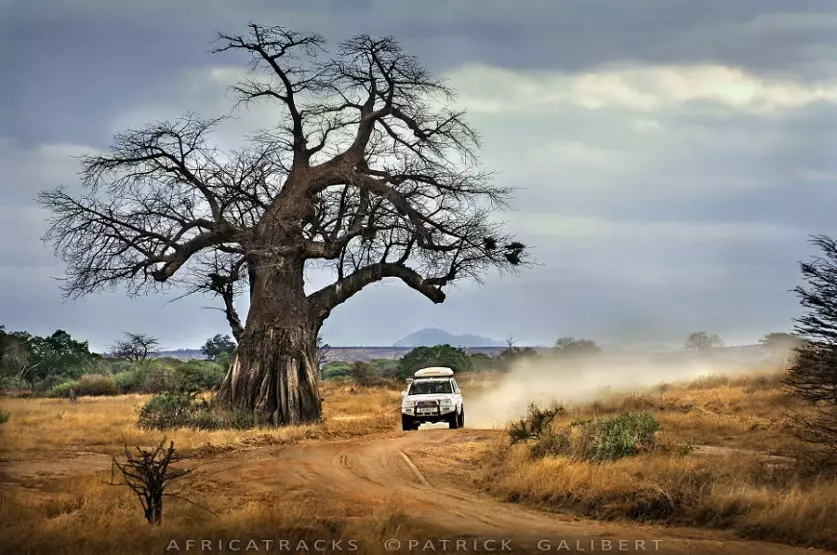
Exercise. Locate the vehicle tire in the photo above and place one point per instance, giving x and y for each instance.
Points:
(407, 424)
(462, 419)
(453, 421)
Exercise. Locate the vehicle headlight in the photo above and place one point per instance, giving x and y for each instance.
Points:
(408, 404)
(446, 403)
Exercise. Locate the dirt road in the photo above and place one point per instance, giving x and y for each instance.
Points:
(416, 468)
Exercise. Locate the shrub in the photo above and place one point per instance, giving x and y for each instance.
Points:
(126, 382)
(535, 424)
(332, 370)
(182, 409)
(384, 367)
(362, 373)
(63, 389)
(194, 375)
(160, 376)
(4, 417)
(621, 436)
(95, 385)
(552, 444)
(593, 440)
(172, 409)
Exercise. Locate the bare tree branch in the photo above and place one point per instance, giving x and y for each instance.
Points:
(369, 172)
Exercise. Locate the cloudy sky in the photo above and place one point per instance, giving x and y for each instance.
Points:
(672, 156)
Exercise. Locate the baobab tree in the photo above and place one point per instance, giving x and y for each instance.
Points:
(369, 174)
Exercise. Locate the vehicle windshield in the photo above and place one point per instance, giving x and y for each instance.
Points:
(430, 387)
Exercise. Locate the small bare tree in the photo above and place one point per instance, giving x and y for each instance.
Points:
(135, 346)
(322, 351)
(148, 474)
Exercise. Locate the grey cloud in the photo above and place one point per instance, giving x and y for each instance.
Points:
(97, 56)
(81, 70)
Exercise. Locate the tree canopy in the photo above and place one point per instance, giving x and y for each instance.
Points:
(440, 355)
(217, 345)
(573, 346)
(367, 173)
(376, 177)
(43, 361)
(703, 341)
(134, 346)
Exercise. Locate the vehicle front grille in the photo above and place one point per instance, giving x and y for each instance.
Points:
(427, 404)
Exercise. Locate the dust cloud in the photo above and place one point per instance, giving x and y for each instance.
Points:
(580, 380)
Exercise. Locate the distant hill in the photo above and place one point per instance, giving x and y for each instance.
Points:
(429, 337)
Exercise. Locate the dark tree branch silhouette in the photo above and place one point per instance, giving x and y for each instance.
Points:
(813, 374)
(369, 175)
(148, 474)
(135, 346)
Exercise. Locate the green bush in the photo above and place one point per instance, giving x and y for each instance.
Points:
(161, 375)
(593, 440)
(93, 385)
(119, 366)
(621, 436)
(385, 367)
(362, 373)
(335, 369)
(172, 409)
(4, 417)
(126, 382)
(180, 409)
(63, 389)
(196, 375)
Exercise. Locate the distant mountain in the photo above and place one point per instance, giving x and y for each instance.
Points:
(429, 337)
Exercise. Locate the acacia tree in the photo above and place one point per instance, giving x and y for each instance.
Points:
(218, 345)
(368, 173)
(703, 341)
(134, 346)
(573, 346)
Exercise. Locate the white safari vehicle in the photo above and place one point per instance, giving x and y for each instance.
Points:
(432, 396)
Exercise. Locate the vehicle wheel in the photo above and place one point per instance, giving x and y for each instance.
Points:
(462, 419)
(453, 422)
(407, 425)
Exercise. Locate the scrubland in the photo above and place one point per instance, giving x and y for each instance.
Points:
(722, 459)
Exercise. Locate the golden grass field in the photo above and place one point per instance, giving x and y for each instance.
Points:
(103, 424)
(738, 431)
(53, 503)
(56, 495)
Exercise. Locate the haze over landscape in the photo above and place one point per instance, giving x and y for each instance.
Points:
(672, 160)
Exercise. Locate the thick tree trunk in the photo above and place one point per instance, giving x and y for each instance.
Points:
(274, 373)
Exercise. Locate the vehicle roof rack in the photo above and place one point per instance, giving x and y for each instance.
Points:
(434, 372)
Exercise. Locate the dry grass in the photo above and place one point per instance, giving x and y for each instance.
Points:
(738, 487)
(744, 412)
(86, 515)
(78, 511)
(81, 513)
(103, 424)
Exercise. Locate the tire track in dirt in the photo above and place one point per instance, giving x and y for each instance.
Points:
(411, 468)
(365, 470)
